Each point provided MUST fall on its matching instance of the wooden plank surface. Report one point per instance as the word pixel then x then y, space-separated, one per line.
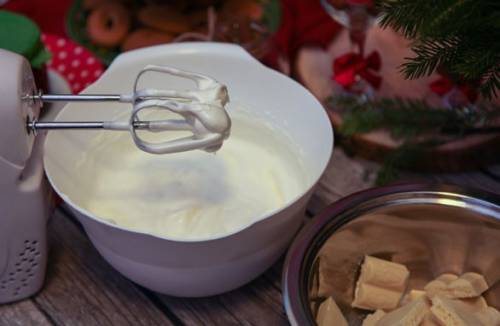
pixel 24 313
pixel 82 289
pixel 343 176
pixel 257 303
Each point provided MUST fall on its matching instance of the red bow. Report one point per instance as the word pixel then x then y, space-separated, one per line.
pixel 350 66
pixel 444 85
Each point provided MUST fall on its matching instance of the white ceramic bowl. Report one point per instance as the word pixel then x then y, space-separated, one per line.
pixel 216 265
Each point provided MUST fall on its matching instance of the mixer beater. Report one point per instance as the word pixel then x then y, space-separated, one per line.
pixel 203 110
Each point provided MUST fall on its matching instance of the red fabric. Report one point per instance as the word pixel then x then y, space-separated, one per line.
pixel 303 22
pixel 350 65
pixel 77 65
pixel 360 2
pixel 48 14
pixel 444 85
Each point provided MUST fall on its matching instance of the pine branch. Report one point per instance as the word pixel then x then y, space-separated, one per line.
pixel 491 84
pixel 443 24
pixel 403 16
pixel 419 126
pixel 459 35
pixel 429 56
pixel 408 118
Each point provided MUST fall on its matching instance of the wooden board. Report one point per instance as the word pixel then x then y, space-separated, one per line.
pixel 468 153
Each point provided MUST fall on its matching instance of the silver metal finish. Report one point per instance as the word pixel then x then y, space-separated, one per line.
pixel 76 98
pixel 432 229
pixel 35 125
pixel 152 126
pixel 40 97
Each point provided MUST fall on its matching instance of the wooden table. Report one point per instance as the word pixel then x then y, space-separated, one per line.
pixel 82 289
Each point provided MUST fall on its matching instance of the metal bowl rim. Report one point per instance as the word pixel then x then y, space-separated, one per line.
pixel 292 271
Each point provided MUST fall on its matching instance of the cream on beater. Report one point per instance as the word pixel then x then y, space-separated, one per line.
pixel 203 110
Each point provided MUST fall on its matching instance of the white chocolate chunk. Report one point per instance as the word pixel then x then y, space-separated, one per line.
pixel 411 296
pixel 325 278
pixel 416 294
pixel 372 319
pixel 372 297
pixel 448 313
pixel 475 304
pixel 383 273
pixel 447 278
pixel 435 287
pixel 329 314
pixel 488 316
pixel 469 285
pixel 429 320
pixel 411 314
pixel 381 284
pixel 439 286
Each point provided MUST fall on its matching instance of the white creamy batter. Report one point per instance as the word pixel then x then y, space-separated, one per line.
pixel 193 195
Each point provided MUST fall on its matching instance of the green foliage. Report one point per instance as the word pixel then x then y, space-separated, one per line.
pixel 41 57
pixel 418 126
pixel 460 35
pixel 272 15
pixel 407 118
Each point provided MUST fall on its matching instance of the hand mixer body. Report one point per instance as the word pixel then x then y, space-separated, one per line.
pixel 23 202
pixel 23 191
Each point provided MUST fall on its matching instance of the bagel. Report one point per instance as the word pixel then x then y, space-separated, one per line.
pixel 143 37
pixel 108 24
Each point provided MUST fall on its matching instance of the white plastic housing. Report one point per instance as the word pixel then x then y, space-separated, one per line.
pixel 23 191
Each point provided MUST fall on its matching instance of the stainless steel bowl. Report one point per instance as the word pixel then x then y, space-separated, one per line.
pixel 432 229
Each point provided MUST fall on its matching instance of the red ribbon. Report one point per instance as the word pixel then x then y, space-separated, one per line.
pixel 444 85
pixel 351 66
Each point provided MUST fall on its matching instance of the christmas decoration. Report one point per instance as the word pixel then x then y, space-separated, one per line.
pixel 350 67
pixel 461 36
pixel 453 38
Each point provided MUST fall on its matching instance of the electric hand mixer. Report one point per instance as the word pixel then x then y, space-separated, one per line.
pixel 23 203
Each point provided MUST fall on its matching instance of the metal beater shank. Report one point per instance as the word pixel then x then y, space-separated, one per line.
pixel 75 98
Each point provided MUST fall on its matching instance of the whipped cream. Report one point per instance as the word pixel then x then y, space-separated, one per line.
pixel 192 195
pixel 202 108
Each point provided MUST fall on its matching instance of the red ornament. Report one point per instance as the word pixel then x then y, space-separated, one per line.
pixel 303 23
pixel 444 85
pixel 349 67
pixel 48 14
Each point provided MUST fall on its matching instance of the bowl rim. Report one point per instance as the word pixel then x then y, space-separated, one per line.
pixel 337 214
pixel 197 47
